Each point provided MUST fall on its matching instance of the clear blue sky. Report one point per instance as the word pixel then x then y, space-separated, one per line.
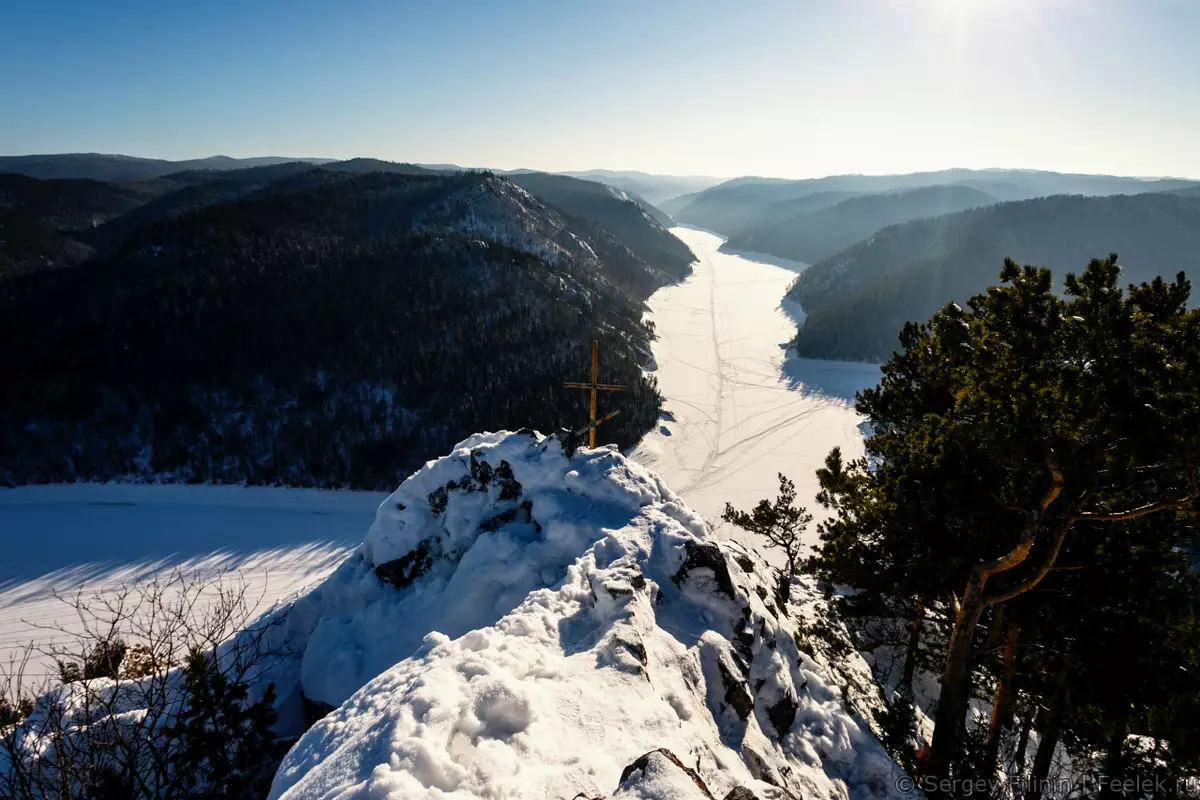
pixel 778 87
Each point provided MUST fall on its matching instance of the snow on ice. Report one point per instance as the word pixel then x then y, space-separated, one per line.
pixel 91 537
pixel 740 408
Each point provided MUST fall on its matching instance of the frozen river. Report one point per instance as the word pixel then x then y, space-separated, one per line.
pixel 740 410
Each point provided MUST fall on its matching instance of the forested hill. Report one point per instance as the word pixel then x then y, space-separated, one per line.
pixel 640 228
pixel 810 236
pixel 858 300
pixel 330 329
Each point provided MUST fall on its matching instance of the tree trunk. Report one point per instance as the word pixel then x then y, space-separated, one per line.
pixel 914 648
pixel 1023 743
pixel 1050 732
pixel 1114 760
pixel 956 683
pixel 1002 701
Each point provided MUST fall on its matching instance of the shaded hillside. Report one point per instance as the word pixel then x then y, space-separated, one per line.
pixel 41 221
pixel 734 206
pixel 858 300
pixel 104 167
pixel 812 236
pixel 196 189
pixel 27 245
pixel 324 335
pixel 673 205
pixel 70 204
pixel 614 211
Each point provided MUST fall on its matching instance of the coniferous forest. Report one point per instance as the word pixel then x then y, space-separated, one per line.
pixel 1023 529
pixel 857 300
pixel 312 327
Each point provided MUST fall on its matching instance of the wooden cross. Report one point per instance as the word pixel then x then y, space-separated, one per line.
pixel 593 387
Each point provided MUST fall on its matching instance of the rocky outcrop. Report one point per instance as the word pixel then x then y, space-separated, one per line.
pixel 661 767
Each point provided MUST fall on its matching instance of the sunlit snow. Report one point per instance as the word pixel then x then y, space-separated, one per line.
pixel 740 410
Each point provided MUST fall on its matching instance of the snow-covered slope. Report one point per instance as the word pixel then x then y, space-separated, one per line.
pixel 520 622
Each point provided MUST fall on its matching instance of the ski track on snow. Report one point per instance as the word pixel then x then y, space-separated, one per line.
pixel 744 409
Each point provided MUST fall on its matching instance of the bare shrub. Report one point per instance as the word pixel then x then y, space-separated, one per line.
pixel 160 697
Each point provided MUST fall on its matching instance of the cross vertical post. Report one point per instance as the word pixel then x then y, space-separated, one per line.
pixel 595 381
pixel 594 387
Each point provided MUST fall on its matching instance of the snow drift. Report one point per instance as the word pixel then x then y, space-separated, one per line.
pixel 524 622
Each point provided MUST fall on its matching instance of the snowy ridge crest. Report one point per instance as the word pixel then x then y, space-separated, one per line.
pixel 520 622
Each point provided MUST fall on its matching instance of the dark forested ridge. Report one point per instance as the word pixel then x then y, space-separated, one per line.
pixel 40 220
pixel 858 300
pixel 324 329
pixel 810 236
pixel 638 227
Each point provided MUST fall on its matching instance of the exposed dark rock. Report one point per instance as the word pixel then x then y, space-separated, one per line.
pixel 783 714
pixel 618 589
pixel 740 793
pixel 736 695
pixel 481 470
pixel 402 571
pixel 570 442
pixel 636 648
pixel 638 582
pixel 745 563
pixel 522 513
pixel 482 475
pixel 314 710
pixel 510 489
pixel 743 642
pixel 758 766
pixel 705 555
pixel 741 661
pixel 644 761
pixel 438 499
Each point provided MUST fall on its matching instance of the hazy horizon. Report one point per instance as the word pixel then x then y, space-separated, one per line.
pixel 597 169
pixel 769 88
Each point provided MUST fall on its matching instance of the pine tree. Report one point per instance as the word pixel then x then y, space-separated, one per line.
pixel 226 749
pixel 782 523
pixel 1002 429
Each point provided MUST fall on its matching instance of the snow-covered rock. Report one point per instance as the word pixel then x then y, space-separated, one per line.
pixel 523 623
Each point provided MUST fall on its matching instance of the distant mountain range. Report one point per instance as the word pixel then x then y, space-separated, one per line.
pixel 103 167
pixel 735 206
pixel 311 325
pixel 858 299
pixel 644 188
pixel 799 234
pixel 655 188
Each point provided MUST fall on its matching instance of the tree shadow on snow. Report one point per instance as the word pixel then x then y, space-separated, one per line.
pixel 59 545
pixel 837 380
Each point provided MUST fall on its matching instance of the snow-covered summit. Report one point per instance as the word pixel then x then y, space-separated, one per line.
pixel 520 622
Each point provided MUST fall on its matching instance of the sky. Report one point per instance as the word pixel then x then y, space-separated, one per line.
pixel 786 88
